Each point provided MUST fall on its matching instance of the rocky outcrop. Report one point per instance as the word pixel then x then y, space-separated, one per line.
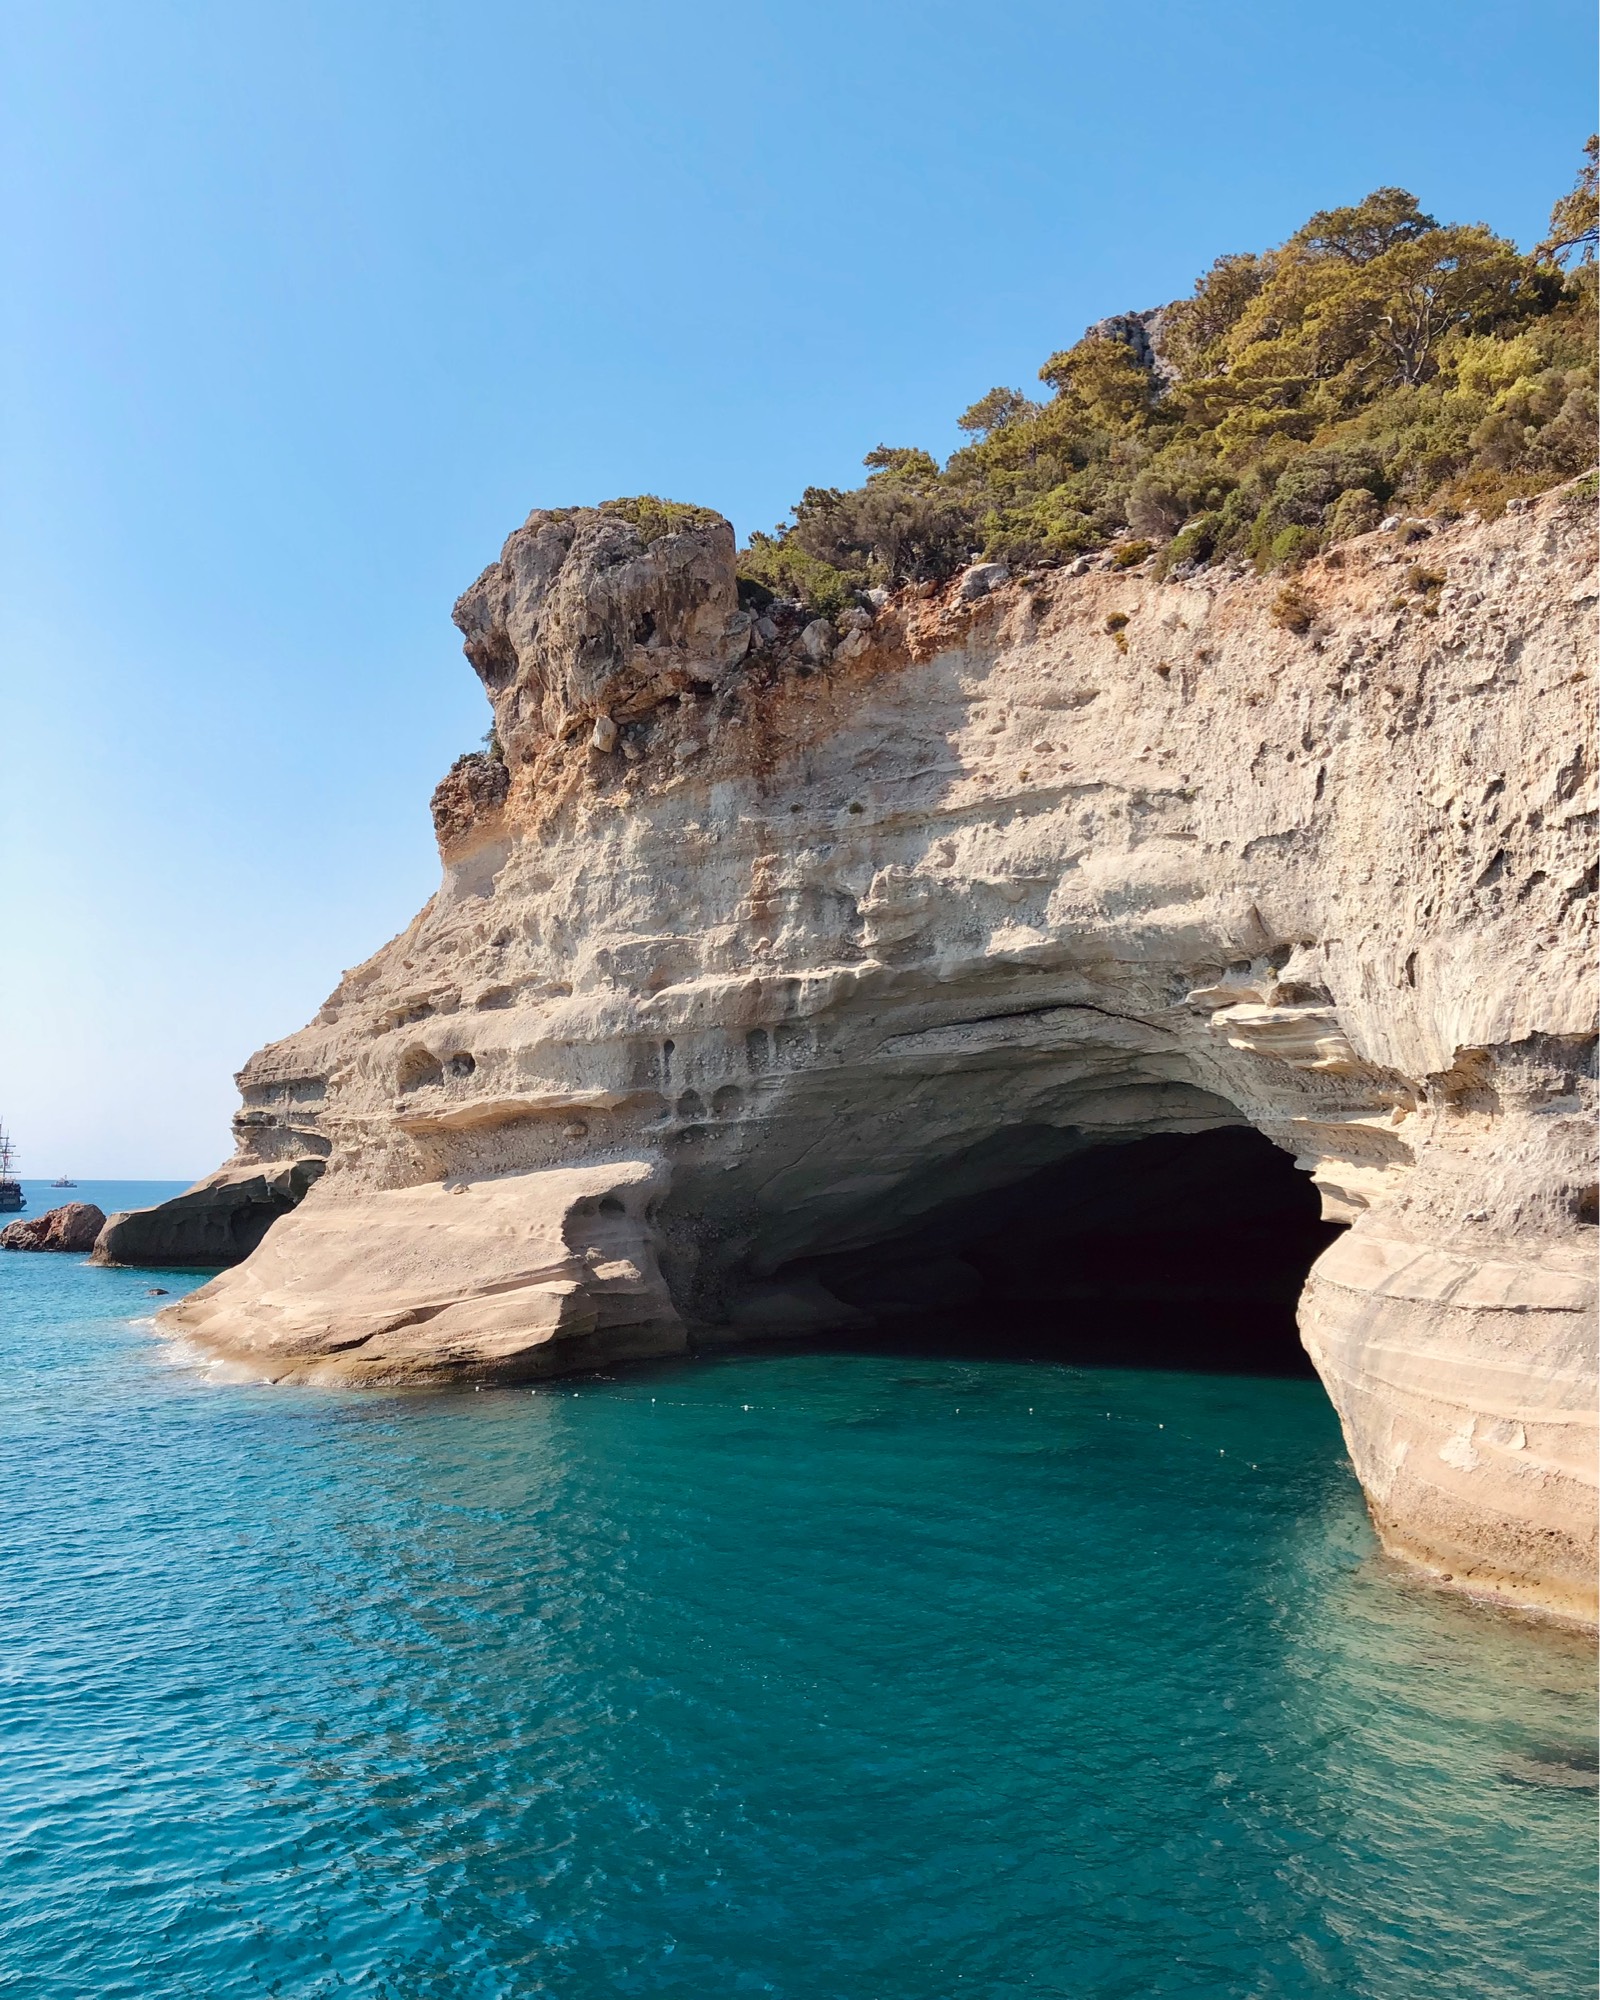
pixel 218 1221
pixel 469 795
pixel 777 944
pixel 72 1226
pixel 585 616
pixel 517 1275
pixel 1141 334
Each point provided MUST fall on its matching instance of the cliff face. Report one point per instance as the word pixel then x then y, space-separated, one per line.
pixel 769 941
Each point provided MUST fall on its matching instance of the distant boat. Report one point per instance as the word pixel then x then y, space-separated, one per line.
pixel 64 1182
pixel 11 1195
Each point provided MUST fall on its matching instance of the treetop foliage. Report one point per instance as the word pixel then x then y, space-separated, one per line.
pixel 1574 219
pixel 1376 360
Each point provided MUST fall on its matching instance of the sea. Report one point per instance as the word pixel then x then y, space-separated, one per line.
pixel 829 1675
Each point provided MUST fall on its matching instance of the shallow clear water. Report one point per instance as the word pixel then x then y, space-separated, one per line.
pixel 813 1675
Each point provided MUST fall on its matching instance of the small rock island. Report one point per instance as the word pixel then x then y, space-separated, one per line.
pixel 75 1225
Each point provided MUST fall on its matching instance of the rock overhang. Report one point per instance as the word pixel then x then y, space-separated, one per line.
pixel 823 918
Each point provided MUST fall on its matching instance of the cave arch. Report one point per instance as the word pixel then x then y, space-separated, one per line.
pixel 1177 1249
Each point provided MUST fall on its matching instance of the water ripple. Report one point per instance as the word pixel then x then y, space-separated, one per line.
pixel 822 1677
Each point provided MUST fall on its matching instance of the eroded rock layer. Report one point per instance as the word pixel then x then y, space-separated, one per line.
pixel 765 940
pixel 221 1219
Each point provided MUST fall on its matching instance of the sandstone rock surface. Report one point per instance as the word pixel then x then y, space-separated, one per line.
pixel 218 1221
pixel 520 1274
pixel 72 1226
pixel 848 931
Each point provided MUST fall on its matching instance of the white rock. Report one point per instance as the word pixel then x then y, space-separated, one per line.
pixel 604 734
pixel 817 640
pixel 980 580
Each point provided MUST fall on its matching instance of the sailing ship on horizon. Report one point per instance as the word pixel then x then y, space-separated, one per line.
pixel 11 1195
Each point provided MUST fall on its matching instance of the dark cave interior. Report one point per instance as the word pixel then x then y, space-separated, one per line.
pixel 1184 1250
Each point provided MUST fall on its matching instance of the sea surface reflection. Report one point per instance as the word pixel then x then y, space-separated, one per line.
pixel 799 1674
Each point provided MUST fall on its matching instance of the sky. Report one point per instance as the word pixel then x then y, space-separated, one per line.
pixel 306 306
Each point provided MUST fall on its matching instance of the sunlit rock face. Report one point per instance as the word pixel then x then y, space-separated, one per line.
pixel 763 944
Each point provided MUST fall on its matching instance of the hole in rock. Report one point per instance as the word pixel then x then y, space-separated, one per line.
pixel 418 1068
pixel 1184 1250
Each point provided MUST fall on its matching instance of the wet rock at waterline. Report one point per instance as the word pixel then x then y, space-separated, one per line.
pixel 843 934
pixel 72 1226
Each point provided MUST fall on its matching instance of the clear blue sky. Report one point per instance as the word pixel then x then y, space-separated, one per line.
pixel 307 304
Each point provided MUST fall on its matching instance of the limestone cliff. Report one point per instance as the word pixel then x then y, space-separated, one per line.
pixel 764 940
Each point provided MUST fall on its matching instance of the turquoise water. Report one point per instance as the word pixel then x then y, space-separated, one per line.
pixel 834 1677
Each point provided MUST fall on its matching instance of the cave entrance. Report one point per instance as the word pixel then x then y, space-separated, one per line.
pixel 1183 1250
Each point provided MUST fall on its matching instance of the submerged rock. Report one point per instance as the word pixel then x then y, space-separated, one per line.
pixel 855 941
pixel 1552 1772
pixel 72 1226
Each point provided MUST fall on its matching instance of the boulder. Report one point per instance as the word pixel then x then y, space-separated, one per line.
pixel 72 1226
pixel 980 580
pixel 817 638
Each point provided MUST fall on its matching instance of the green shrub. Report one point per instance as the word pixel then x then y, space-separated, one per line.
pixel 1290 547
pixel 780 566
pixel 654 517
pixel 1357 511
pixel 1194 543
pixel 1376 360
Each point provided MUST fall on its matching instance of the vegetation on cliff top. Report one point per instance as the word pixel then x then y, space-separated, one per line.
pixel 1374 362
